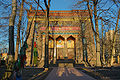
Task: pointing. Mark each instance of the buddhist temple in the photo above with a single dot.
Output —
(71, 38)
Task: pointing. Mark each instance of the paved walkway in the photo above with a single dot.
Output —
(67, 74)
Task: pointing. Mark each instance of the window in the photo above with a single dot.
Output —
(69, 41)
(60, 41)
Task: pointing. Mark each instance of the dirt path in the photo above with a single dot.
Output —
(67, 74)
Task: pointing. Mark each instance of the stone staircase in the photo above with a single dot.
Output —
(65, 63)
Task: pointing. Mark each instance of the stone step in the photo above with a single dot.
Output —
(65, 61)
(79, 65)
(65, 64)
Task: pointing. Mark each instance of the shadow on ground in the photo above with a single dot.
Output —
(64, 73)
(106, 73)
(35, 73)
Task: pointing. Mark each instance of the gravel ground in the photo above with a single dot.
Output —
(2, 71)
(103, 73)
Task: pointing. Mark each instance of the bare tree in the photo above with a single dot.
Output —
(98, 63)
(18, 30)
(11, 27)
(47, 5)
(96, 12)
(114, 38)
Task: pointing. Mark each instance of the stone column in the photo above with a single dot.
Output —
(39, 45)
(65, 48)
(77, 50)
(39, 48)
(55, 47)
(118, 58)
(43, 49)
(42, 62)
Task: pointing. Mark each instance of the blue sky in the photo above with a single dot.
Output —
(62, 4)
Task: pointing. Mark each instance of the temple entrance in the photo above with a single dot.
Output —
(70, 53)
(65, 51)
(60, 47)
(71, 47)
(60, 52)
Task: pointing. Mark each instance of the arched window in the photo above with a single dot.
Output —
(60, 42)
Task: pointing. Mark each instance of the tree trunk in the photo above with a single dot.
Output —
(114, 39)
(98, 63)
(97, 35)
(11, 27)
(18, 30)
(22, 39)
(103, 55)
(47, 34)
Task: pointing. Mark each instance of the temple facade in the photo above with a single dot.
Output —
(70, 37)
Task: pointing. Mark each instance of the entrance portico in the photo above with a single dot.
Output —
(61, 47)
